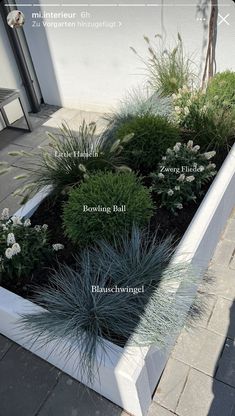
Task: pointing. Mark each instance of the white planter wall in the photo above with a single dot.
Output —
(128, 376)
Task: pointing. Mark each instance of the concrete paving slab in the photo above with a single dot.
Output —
(8, 185)
(171, 384)
(89, 117)
(233, 213)
(223, 283)
(46, 111)
(229, 233)
(157, 410)
(11, 202)
(11, 160)
(226, 370)
(199, 348)
(208, 302)
(54, 123)
(223, 253)
(222, 320)
(204, 396)
(36, 121)
(232, 263)
(25, 382)
(7, 136)
(65, 114)
(72, 398)
(32, 139)
(5, 345)
(74, 118)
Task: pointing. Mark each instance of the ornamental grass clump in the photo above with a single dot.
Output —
(169, 69)
(81, 314)
(210, 120)
(22, 247)
(152, 135)
(69, 157)
(104, 205)
(181, 175)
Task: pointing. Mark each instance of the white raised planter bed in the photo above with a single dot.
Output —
(128, 376)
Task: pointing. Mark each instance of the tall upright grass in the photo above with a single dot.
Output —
(169, 69)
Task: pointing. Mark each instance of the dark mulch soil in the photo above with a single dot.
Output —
(50, 212)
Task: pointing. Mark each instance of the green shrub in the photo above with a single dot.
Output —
(137, 103)
(152, 136)
(222, 88)
(77, 314)
(22, 247)
(169, 69)
(181, 175)
(211, 124)
(90, 211)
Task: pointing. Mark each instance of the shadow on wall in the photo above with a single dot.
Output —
(224, 395)
(41, 55)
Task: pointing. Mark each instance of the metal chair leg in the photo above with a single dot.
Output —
(26, 115)
(5, 118)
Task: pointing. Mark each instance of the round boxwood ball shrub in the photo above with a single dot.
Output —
(152, 136)
(222, 88)
(105, 205)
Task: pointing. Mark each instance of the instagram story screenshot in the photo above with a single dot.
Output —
(117, 208)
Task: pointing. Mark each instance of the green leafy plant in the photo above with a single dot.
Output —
(76, 314)
(222, 88)
(92, 208)
(211, 123)
(69, 156)
(152, 136)
(168, 69)
(137, 103)
(22, 247)
(181, 175)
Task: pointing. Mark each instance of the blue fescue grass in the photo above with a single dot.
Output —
(84, 319)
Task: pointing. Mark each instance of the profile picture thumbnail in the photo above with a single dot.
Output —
(15, 19)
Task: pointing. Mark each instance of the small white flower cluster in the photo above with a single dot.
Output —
(186, 102)
(181, 98)
(182, 172)
(209, 155)
(39, 228)
(57, 247)
(5, 214)
(12, 251)
(15, 247)
(16, 233)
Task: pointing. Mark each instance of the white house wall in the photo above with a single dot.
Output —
(92, 68)
(9, 75)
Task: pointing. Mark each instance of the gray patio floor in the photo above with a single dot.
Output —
(199, 379)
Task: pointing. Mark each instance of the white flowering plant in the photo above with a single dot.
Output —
(209, 119)
(181, 175)
(22, 246)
